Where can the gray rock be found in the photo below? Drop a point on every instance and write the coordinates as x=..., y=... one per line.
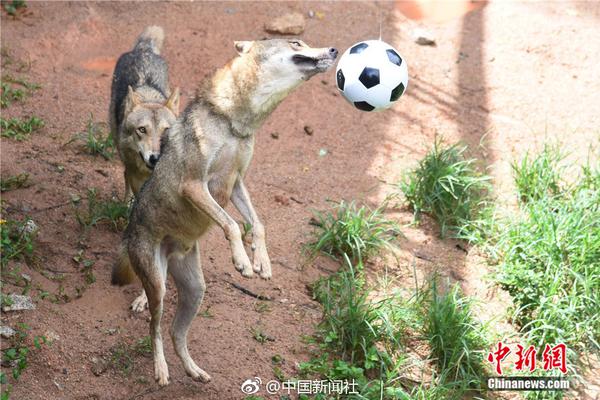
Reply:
x=19, y=303
x=289, y=24
x=99, y=366
x=423, y=37
x=7, y=332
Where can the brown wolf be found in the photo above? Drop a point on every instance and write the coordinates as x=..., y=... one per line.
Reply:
x=204, y=157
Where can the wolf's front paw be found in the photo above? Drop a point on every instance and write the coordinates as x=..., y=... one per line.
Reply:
x=242, y=262
x=262, y=263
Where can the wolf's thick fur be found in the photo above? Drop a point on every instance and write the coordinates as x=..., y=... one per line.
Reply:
x=204, y=158
x=142, y=107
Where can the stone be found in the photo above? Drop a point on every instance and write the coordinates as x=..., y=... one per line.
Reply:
x=19, y=303
x=7, y=332
x=289, y=24
x=423, y=37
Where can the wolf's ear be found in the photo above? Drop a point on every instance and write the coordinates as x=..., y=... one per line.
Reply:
x=173, y=102
x=242, y=46
x=132, y=100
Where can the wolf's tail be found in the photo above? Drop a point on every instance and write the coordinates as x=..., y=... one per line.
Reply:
x=122, y=272
x=151, y=39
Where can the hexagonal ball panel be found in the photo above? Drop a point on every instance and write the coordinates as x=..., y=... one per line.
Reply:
x=394, y=57
x=341, y=80
x=369, y=77
x=359, y=48
x=397, y=92
x=363, y=105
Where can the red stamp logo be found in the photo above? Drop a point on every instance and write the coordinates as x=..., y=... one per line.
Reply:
x=553, y=357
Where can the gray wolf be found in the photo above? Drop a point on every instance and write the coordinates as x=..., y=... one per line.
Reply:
x=204, y=158
x=142, y=108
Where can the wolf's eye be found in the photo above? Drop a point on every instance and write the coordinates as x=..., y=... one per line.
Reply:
x=295, y=43
x=142, y=130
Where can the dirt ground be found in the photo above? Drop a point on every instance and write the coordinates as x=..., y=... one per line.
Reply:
x=504, y=78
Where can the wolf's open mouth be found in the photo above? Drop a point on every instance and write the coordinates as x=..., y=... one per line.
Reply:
x=304, y=60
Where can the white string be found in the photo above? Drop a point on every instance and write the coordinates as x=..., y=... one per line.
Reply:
x=380, y=23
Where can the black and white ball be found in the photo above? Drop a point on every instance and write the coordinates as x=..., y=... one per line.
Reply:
x=372, y=75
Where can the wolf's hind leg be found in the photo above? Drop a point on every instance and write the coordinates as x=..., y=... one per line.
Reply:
x=151, y=265
x=188, y=277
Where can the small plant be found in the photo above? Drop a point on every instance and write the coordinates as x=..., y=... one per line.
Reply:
x=17, y=357
x=13, y=6
x=456, y=339
x=359, y=232
x=537, y=177
x=96, y=141
x=20, y=129
x=17, y=240
x=14, y=182
x=447, y=186
x=113, y=211
x=260, y=336
x=122, y=356
x=15, y=89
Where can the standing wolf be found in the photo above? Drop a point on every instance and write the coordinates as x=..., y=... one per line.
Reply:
x=141, y=109
x=204, y=158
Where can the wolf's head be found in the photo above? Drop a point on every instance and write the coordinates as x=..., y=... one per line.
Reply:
x=292, y=59
x=145, y=123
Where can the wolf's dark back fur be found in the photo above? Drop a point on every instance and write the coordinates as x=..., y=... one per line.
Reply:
x=139, y=67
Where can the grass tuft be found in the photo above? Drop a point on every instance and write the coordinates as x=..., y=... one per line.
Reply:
x=359, y=232
x=96, y=141
x=447, y=186
x=17, y=240
x=14, y=182
x=113, y=211
x=456, y=339
x=537, y=177
x=15, y=90
x=20, y=129
x=550, y=255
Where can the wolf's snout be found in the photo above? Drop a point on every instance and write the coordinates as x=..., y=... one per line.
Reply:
x=333, y=52
x=152, y=160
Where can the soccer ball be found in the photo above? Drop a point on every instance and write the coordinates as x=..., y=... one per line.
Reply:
x=371, y=75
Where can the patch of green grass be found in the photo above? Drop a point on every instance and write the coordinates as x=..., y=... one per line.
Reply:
x=359, y=337
x=539, y=176
x=15, y=89
x=365, y=338
x=549, y=255
x=17, y=357
x=359, y=232
x=13, y=6
x=20, y=129
x=113, y=211
x=122, y=356
x=457, y=341
x=259, y=335
x=97, y=141
x=14, y=182
x=17, y=240
x=447, y=186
